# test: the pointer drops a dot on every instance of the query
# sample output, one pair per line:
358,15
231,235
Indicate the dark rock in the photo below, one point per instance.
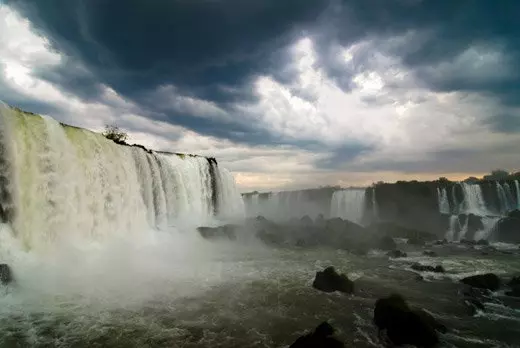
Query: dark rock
416,241
506,230
430,253
320,221
427,268
320,338
221,232
514,214
306,221
404,325
487,281
467,242
387,243
474,224
397,231
515,291
441,242
6,276
329,280
482,242
515,281
473,305
396,254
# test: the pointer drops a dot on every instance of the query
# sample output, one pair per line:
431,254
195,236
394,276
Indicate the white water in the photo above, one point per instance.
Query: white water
68,183
473,200
348,205
375,207
444,204
454,228
283,206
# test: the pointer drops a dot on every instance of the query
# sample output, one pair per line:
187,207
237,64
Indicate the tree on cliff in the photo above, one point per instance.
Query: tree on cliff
115,134
497,174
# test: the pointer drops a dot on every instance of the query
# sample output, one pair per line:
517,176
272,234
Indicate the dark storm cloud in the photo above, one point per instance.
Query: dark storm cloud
212,50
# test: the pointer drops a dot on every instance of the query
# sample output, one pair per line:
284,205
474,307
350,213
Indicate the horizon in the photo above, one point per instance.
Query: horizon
301,98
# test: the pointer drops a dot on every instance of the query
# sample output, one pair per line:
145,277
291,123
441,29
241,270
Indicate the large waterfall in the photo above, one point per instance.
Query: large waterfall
59,181
348,204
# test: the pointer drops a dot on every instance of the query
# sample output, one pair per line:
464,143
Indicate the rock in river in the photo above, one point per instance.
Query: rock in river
329,281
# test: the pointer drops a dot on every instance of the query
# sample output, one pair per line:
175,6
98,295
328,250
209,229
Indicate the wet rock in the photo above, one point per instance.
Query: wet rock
430,253
514,214
482,242
514,292
6,276
320,338
427,268
487,281
473,305
515,281
416,241
306,221
387,243
221,232
404,325
396,254
506,230
467,242
329,280
441,242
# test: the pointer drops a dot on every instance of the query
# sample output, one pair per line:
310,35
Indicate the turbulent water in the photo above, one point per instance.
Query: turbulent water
102,242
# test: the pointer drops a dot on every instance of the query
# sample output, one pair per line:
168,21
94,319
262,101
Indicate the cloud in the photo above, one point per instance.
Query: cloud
286,94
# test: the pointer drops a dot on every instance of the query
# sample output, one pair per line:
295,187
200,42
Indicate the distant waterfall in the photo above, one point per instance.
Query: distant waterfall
348,204
375,207
473,200
505,197
58,181
283,206
454,228
517,185
444,204
456,203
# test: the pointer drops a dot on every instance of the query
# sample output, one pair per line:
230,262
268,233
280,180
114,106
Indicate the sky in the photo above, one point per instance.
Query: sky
286,94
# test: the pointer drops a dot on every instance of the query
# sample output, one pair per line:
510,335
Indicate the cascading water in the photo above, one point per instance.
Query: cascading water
454,228
349,205
473,200
444,204
60,181
283,206
375,207
505,196
517,185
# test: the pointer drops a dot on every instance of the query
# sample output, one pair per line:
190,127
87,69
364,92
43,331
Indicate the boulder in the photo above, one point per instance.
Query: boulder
404,325
387,243
6,276
396,254
221,232
430,253
321,337
329,280
482,242
427,268
506,230
514,214
515,281
306,221
487,281
467,242
416,241
441,242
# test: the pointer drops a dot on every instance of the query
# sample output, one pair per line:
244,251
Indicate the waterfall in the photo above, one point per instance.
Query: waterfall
444,204
348,205
504,198
375,207
473,200
454,228
59,181
517,185
456,203
286,205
